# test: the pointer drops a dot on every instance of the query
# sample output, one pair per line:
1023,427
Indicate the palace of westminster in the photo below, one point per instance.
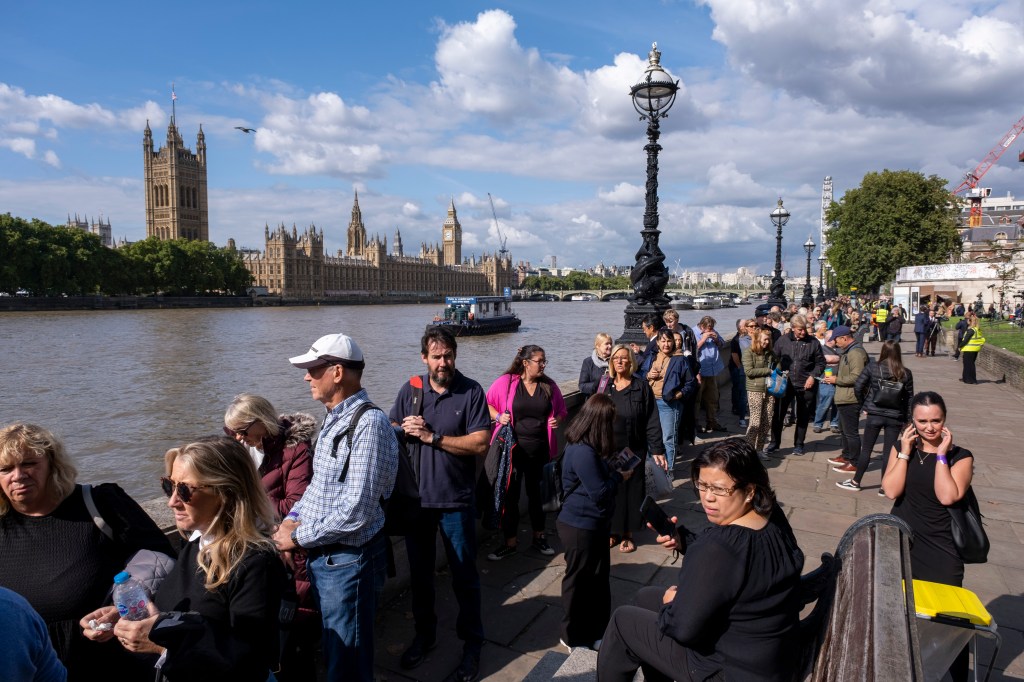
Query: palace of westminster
293,264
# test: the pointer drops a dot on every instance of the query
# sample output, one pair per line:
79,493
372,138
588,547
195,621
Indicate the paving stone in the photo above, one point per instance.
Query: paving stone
826,523
838,503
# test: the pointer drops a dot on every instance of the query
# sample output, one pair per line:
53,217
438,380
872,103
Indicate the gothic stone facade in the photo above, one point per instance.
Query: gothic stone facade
175,186
293,265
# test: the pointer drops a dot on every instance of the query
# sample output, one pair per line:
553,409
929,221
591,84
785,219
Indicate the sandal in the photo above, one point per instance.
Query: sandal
612,541
627,546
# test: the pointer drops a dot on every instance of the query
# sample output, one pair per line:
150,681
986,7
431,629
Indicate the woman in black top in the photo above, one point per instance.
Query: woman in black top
887,408
734,613
53,553
638,427
925,476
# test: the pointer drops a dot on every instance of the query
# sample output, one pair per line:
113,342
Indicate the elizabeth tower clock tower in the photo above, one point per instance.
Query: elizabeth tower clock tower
452,237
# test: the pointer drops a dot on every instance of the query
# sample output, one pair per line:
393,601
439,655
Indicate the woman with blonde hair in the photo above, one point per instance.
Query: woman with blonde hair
596,366
757,361
53,553
637,427
216,614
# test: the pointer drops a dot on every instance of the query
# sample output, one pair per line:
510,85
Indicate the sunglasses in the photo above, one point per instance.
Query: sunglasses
184,490
231,433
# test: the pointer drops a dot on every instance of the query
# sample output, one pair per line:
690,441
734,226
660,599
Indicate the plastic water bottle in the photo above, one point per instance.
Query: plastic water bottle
130,597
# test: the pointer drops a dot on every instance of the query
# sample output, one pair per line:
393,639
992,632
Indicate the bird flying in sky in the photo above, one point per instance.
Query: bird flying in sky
245,130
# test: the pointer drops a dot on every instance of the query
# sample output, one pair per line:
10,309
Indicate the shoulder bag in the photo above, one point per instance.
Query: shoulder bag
888,394
968,532
777,382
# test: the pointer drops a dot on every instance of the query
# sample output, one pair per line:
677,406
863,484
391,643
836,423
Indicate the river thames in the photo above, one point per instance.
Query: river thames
121,387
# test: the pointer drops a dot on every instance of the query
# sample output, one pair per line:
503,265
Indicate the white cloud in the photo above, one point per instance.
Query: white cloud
623,194
20,145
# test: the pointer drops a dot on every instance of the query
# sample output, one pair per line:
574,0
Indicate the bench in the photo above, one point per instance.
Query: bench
862,626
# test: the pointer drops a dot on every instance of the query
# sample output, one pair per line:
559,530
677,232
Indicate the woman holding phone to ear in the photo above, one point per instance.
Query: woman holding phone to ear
926,474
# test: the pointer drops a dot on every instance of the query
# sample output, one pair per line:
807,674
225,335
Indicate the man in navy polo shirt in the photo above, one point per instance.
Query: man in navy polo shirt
449,432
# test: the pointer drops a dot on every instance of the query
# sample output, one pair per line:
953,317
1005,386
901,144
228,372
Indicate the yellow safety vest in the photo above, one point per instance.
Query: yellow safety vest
881,315
976,342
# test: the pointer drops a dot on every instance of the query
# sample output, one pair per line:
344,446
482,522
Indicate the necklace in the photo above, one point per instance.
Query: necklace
921,457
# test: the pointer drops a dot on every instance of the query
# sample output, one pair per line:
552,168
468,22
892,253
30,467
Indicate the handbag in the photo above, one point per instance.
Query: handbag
656,479
777,382
888,394
968,532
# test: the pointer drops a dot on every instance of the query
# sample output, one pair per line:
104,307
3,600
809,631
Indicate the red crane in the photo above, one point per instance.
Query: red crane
971,180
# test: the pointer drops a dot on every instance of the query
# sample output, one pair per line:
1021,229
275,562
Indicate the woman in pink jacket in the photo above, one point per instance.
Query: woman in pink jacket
531,401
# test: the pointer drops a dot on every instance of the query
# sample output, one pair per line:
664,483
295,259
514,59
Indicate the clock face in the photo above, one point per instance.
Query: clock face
447,234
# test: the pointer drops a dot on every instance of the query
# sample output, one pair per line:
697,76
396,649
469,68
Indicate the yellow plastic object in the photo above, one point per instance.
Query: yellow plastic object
936,599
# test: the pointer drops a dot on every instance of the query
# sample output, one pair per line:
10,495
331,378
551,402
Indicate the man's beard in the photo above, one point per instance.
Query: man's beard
442,380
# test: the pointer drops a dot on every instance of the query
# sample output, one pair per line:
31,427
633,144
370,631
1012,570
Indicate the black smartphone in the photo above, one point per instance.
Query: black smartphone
656,516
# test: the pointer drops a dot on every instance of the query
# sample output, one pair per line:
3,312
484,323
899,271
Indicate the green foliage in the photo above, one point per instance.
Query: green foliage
575,281
893,220
51,261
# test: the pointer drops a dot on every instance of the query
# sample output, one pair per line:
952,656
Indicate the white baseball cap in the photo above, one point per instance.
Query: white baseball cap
331,349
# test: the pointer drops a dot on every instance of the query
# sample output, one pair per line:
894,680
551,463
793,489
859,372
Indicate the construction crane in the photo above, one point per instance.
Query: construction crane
974,193
501,239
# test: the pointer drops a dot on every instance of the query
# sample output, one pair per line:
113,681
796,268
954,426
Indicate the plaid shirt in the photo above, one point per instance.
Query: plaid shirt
348,512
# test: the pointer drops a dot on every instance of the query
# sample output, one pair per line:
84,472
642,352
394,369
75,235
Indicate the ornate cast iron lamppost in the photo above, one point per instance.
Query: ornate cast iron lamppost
652,97
820,298
808,299
780,216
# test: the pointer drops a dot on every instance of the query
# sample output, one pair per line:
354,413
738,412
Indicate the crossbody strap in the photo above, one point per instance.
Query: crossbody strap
94,511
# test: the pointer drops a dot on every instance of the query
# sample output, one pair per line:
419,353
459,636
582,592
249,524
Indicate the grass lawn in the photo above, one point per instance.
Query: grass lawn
1001,334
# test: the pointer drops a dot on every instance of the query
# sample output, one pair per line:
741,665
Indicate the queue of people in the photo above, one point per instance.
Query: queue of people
273,524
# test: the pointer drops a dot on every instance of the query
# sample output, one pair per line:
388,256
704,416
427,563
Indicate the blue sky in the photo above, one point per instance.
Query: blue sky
414,103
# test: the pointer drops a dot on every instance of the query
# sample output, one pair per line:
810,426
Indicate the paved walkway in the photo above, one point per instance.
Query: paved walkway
521,595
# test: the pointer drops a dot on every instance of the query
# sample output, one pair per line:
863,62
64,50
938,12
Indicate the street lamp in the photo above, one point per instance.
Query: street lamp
780,216
808,300
652,97
820,298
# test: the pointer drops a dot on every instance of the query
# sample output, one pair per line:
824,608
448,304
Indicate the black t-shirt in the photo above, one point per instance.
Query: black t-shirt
734,348
531,411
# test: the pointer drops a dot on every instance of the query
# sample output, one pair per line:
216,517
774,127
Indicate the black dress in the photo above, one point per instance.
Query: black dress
638,427
64,565
933,556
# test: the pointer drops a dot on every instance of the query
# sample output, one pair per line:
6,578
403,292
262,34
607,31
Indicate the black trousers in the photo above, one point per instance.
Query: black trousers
529,466
872,426
970,375
586,592
930,344
633,640
849,430
806,404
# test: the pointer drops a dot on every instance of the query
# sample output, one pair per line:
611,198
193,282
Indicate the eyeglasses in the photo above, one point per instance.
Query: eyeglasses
716,490
539,362
184,490
231,433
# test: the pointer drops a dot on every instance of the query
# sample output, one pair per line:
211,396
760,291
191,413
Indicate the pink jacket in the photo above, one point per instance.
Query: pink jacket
501,394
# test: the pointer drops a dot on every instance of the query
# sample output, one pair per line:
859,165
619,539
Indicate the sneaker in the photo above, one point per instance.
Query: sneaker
743,423
417,651
881,493
835,429
542,546
502,552
770,448
838,461
845,469
818,429
798,451
469,668
848,484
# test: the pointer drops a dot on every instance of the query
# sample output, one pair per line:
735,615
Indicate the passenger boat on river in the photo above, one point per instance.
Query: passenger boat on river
477,315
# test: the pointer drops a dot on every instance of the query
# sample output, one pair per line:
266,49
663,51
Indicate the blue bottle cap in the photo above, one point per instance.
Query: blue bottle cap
122,577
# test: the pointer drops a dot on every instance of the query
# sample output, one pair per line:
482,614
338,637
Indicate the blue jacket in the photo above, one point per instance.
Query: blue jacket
591,503
920,320
679,376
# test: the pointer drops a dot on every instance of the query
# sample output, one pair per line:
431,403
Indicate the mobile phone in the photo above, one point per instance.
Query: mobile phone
656,516
626,460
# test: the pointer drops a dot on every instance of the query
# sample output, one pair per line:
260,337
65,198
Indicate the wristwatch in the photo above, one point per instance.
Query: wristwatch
900,455
435,440
295,540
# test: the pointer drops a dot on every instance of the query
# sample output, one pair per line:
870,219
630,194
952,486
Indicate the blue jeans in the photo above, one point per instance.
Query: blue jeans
458,533
669,415
826,408
739,393
348,583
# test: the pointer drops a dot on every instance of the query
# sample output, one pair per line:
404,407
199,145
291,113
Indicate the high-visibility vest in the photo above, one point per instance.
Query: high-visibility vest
881,315
976,342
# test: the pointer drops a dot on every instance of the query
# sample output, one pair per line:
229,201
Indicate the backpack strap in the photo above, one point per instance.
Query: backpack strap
347,434
94,511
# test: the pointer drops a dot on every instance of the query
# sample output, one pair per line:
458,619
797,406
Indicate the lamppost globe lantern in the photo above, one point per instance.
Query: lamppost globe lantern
779,216
652,98
808,298
820,298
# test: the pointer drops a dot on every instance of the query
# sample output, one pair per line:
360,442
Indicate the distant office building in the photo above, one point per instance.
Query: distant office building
96,227
175,187
294,265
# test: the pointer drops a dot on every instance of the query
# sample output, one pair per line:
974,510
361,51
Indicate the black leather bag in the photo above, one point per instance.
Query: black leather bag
888,394
968,532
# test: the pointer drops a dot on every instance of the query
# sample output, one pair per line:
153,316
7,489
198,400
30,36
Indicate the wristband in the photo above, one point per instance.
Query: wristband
942,459
902,456
292,516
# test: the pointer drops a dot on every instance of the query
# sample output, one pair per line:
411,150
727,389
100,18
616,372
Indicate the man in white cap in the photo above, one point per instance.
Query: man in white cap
339,521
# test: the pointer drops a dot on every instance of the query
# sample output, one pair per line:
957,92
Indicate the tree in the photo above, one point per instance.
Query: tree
893,220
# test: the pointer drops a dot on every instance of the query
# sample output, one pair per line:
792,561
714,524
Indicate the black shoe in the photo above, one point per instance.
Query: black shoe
770,448
469,668
417,651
